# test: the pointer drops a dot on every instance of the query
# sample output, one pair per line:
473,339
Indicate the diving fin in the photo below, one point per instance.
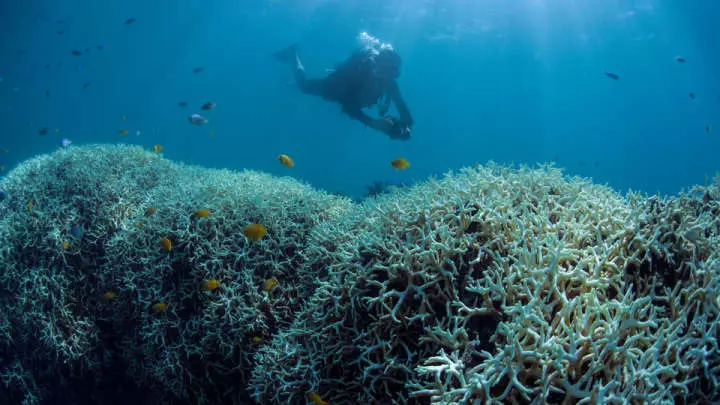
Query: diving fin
287,55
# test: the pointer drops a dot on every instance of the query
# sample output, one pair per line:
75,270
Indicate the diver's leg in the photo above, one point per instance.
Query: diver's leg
290,56
308,86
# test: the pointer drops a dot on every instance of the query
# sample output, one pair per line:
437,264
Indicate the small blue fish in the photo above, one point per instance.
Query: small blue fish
612,75
76,231
1,79
65,142
100,47
76,52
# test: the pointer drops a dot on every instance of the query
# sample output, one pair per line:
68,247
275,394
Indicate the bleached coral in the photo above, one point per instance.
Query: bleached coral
501,286
492,285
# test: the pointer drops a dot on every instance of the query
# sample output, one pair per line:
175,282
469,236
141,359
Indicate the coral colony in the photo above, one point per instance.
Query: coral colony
488,286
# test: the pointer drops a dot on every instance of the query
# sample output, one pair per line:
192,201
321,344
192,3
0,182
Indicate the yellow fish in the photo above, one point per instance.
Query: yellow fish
210,285
30,205
157,148
109,295
254,232
166,244
149,211
400,163
124,131
160,307
256,339
270,284
5,151
123,118
65,245
286,161
315,399
204,213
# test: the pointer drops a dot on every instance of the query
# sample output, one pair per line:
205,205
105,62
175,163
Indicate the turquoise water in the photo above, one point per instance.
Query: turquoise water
519,81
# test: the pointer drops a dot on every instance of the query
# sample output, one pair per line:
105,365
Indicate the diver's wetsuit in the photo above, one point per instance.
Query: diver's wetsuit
354,86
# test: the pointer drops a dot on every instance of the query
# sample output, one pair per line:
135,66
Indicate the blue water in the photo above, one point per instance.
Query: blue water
509,81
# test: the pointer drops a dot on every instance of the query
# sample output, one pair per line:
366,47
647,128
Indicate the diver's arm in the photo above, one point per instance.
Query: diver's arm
381,125
394,92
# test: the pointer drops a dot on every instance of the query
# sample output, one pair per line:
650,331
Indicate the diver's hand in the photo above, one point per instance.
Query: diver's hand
394,128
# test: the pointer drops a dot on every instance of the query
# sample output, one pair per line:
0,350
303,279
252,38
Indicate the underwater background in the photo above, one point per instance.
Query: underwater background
510,82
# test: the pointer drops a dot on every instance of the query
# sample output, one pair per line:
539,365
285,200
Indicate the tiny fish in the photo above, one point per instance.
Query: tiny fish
109,295
707,129
65,245
612,75
254,232
680,59
43,131
130,21
123,132
166,244
4,151
100,47
160,307
286,161
315,399
256,339
400,163
692,96
76,231
203,213
208,106
76,52
47,93
65,142
198,69
157,148
123,118
86,85
60,32
182,104
197,119
269,284
210,285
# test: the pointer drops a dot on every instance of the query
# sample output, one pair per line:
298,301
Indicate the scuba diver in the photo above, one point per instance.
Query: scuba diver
365,79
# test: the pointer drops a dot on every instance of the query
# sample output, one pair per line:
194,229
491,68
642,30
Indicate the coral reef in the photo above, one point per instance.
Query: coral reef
491,285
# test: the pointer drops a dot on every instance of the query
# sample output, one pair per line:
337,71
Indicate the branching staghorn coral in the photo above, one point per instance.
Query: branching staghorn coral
84,266
492,285
496,286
